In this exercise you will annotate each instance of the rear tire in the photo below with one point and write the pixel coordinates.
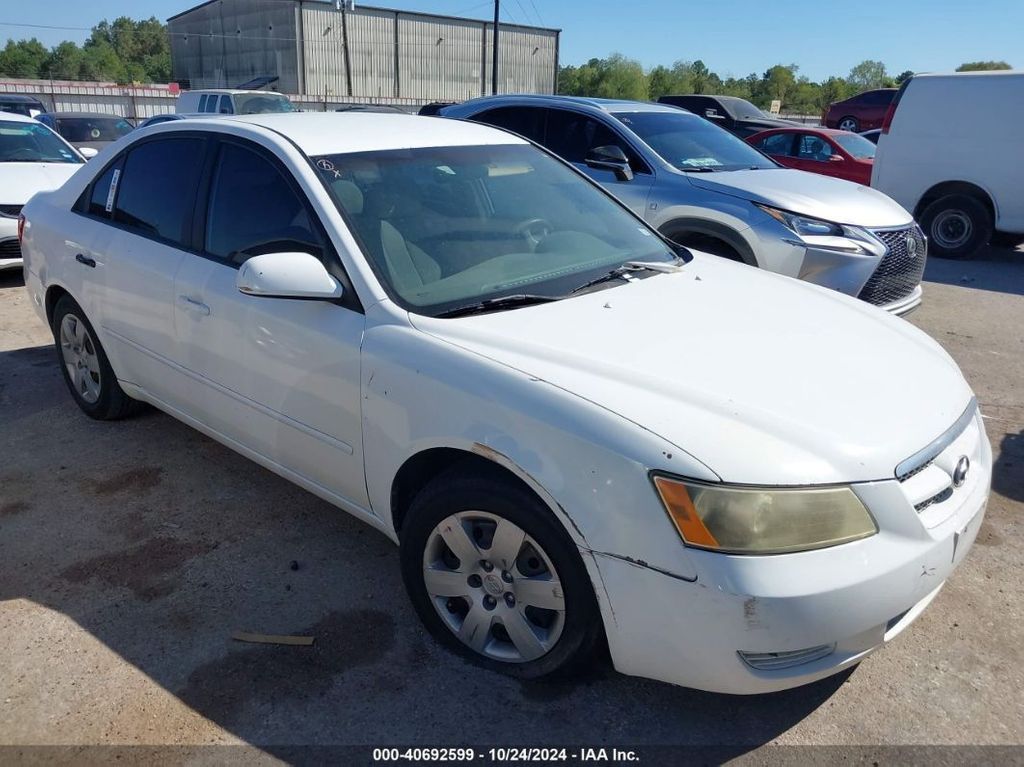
(85, 366)
(528, 614)
(849, 123)
(957, 225)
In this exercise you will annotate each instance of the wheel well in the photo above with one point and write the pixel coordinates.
(53, 294)
(954, 187)
(709, 243)
(421, 468)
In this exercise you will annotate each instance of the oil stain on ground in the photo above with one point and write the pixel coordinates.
(149, 570)
(11, 508)
(138, 479)
(275, 674)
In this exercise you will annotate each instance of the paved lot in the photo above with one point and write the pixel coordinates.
(130, 552)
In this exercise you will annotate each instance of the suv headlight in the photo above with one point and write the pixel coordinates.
(803, 225)
(744, 520)
(825, 234)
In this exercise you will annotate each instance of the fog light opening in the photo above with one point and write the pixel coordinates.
(774, 661)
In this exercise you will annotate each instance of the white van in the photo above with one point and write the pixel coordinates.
(232, 102)
(952, 152)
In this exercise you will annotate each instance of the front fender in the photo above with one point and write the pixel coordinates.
(589, 465)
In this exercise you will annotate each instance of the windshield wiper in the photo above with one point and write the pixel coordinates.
(697, 169)
(620, 272)
(503, 302)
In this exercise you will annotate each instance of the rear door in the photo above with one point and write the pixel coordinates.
(277, 376)
(141, 210)
(780, 147)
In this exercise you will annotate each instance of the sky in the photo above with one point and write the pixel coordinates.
(732, 37)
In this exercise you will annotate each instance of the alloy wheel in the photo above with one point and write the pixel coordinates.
(494, 586)
(78, 351)
(848, 124)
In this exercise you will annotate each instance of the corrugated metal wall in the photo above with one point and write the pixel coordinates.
(391, 54)
(223, 43)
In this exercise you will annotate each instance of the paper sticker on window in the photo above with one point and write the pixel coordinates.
(113, 189)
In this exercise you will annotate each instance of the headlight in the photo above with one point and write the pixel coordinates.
(740, 520)
(803, 225)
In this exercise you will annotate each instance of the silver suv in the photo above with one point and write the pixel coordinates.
(706, 189)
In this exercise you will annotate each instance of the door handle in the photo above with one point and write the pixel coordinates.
(193, 305)
(83, 259)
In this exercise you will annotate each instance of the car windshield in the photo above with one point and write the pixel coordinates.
(691, 143)
(31, 142)
(743, 109)
(84, 129)
(444, 227)
(857, 146)
(261, 103)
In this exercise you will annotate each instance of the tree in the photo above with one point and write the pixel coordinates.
(615, 77)
(903, 77)
(64, 62)
(982, 66)
(867, 75)
(23, 58)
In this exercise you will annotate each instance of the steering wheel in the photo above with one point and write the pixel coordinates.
(533, 230)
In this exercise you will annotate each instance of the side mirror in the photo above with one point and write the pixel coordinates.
(287, 275)
(88, 152)
(610, 158)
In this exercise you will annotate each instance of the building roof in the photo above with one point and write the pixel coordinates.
(318, 133)
(378, 9)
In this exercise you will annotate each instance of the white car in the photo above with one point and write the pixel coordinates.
(32, 159)
(951, 151)
(573, 428)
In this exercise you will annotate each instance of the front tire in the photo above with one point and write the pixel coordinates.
(849, 123)
(495, 577)
(957, 225)
(85, 366)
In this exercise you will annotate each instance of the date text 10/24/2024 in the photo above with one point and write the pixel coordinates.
(506, 754)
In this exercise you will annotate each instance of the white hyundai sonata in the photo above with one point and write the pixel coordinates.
(576, 431)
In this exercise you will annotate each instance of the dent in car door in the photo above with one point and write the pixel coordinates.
(280, 376)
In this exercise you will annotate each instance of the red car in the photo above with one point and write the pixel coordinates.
(835, 153)
(862, 112)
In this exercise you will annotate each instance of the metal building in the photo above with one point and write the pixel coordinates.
(319, 49)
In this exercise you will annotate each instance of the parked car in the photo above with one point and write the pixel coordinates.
(963, 181)
(168, 117)
(461, 341)
(32, 159)
(232, 102)
(871, 135)
(862, 112)
(87, 130)
(835, 153)
(28, 106)
(736, 115)
(371, 108)
(704, 188)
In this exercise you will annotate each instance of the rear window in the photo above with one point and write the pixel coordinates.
(86, 129)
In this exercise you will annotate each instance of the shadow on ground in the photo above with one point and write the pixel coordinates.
(996, 268)
(161, 543)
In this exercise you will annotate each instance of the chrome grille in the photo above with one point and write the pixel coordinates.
(10, 248)
(898, 273)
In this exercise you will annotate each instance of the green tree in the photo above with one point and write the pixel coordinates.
(982, 66)
(867, 75)
(64, 62)
(23, 58)
(903, 77)
(141, 47)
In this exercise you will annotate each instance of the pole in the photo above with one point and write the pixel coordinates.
(494, 53)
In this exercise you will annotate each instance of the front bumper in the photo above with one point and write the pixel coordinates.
(10, 250)
(849, 599)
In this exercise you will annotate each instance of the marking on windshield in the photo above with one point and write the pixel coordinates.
(325, 164)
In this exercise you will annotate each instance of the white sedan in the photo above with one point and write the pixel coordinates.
(576, 431)
(32, 158)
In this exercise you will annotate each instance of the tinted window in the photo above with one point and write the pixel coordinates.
(225, 105)
(526, 121)
(85, 129)
(777, 144)
(813, 148)
(104, 189)
(878, 97)
(157, 188)
(202, 103)
(254, 210)
(571, 136)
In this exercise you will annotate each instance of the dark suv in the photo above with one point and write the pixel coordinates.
(736, 115)
(29, 106)
(862, 112)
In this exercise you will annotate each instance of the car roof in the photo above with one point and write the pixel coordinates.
(18, 98)
(60, 115)
(317, 133)
(606, 105)
(15, 117)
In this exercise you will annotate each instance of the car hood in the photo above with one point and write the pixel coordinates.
(809, 194)
(765, 123)
(764, 379)
(20, 180)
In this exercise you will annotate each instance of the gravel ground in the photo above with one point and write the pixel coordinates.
(130, 552)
